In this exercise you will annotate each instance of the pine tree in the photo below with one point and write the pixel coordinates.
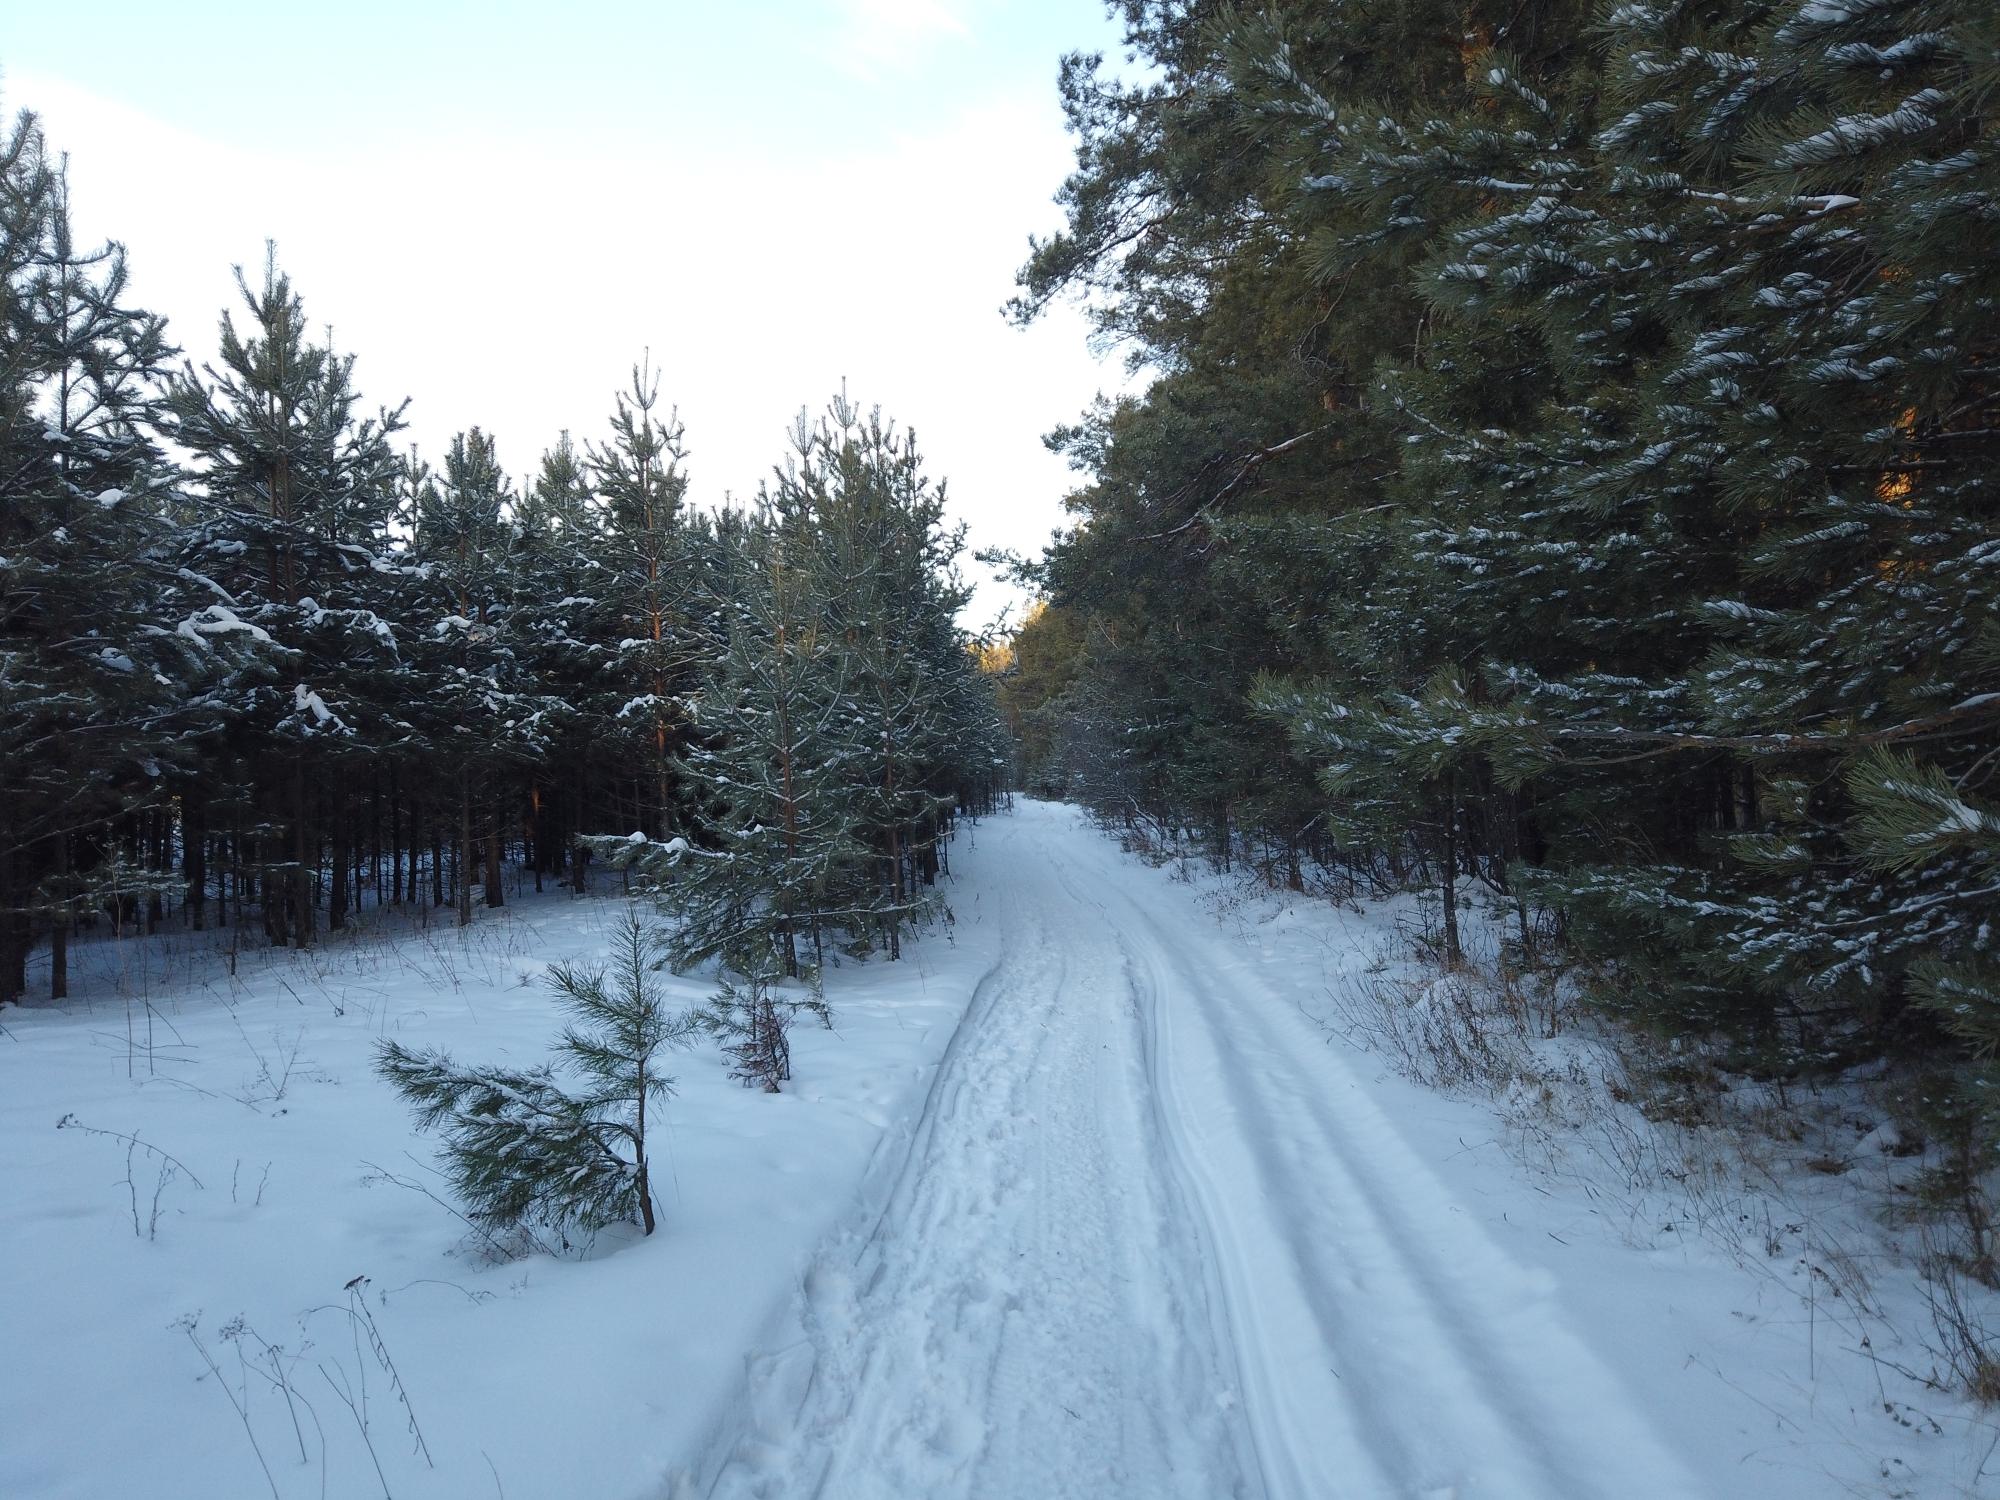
(1577, 441)
(484, 714)
(290, 525)
(886, 600)
(304, 655)
(1670, 536)
(103, 661)
(840, 724)
(782, 835)
(553, 614)
(751, 1014)
(640, 485)
(519, 1148)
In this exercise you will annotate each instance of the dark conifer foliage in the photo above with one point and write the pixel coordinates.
(1575, 432)
(291, 495)
(842, 721)
(522, 1150)
(109, 655)
(261, 666)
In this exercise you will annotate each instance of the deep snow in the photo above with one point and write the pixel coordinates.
(1080, 1199)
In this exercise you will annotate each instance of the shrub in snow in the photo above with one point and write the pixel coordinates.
(752, 1015)
(520, 1148)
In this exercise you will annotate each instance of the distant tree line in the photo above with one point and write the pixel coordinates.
(1570, 472)
(261, 666)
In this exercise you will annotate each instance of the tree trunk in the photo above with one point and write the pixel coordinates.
(643, 1181)
(396, 844)
(337, 897)
(274, 894)
(59, 926)
(1453, 954)
(159, 860)
(791, 831)
(531, 837)
(194, 858)
(14, 936)
(305, 861)
(496, 888)
(465, 852)
(437, 862)
(896, 895)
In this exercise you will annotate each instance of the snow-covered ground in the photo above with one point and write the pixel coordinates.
(1082, 1199)
(539, 1378)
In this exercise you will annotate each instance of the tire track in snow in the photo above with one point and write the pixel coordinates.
(1387, 1346)
(1139, 1184)
(1027, 1319)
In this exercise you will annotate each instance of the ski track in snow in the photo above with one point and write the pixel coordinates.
(1152, 1240)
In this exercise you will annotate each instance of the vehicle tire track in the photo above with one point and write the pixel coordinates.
(1015, 1324)
(1359, 1254)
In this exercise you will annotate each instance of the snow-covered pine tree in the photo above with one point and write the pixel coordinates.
(1438, 575)
(1820, 394)
(519, 1147)
(839, 724)
(293, 493)
(888, 596)
(778, 830)
(639, 484)
(1863, 664)
(751, 1014)
(552, 613)
(1234, 518)
(1720, 537)
(103, 663)
(485, 717)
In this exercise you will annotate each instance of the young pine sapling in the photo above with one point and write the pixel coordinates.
(752, 1017)
(519, 1148)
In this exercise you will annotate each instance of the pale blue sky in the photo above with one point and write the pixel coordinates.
(497, 206)
(775, 72)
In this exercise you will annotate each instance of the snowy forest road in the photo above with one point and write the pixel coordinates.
(1151, 1240)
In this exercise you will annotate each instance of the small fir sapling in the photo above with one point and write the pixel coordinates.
(752, 1015)
(519, 1148)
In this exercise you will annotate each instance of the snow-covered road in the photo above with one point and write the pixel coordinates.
(1152, 1239)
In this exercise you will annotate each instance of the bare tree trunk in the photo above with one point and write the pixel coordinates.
(644, 1182)
(896, 894)
(59, 927)
(274, 892)
(1453, 954)
(396, 843)
(537, 851)
(465, 851)
(194, 858)
(14, 935)
(496, 888)
(305, 859)
(437, 860)
(156, 834)
(337, 896)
